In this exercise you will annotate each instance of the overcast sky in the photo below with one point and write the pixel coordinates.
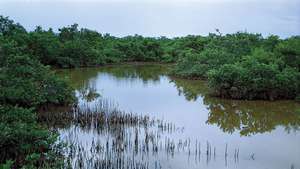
(160, 17)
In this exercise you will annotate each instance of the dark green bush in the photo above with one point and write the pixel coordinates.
(257, 76)
(25, 82)
(21, 137)
(196, 65)
(25, 85)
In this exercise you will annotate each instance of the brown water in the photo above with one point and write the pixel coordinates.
(177, 126)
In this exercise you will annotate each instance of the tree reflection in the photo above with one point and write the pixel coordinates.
(246, 117)
(88, 91)
(145, 73)
(252, 117)
(190, 89)
(84, 79)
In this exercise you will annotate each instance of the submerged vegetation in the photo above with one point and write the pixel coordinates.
(239, 66)
(124, 140)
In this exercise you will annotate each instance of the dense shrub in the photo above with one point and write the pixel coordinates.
(289, 51)
(215, 50)
(25, 85)
(21, 137)
(25, 82)
(196, 65)
(245, 66)
(257, 76)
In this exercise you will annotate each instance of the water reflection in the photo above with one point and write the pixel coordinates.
(198, 130)
(88, 92)
(253, 117)
(82, 77)
(247, 117)
(190, 89)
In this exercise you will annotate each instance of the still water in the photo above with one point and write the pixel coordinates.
(177, 125)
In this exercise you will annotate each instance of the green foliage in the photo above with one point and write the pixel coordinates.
(8, 27)
(244, 65)
(213, 51)
(7, 165)
(289, 51)
(196, 65)
(25, 85)
(266, 65)
(257, 76)
(74, 47)
(134, 48)
(25, 82)
(22, 139)
(44, 45)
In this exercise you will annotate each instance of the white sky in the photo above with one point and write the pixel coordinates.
(159, 17)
